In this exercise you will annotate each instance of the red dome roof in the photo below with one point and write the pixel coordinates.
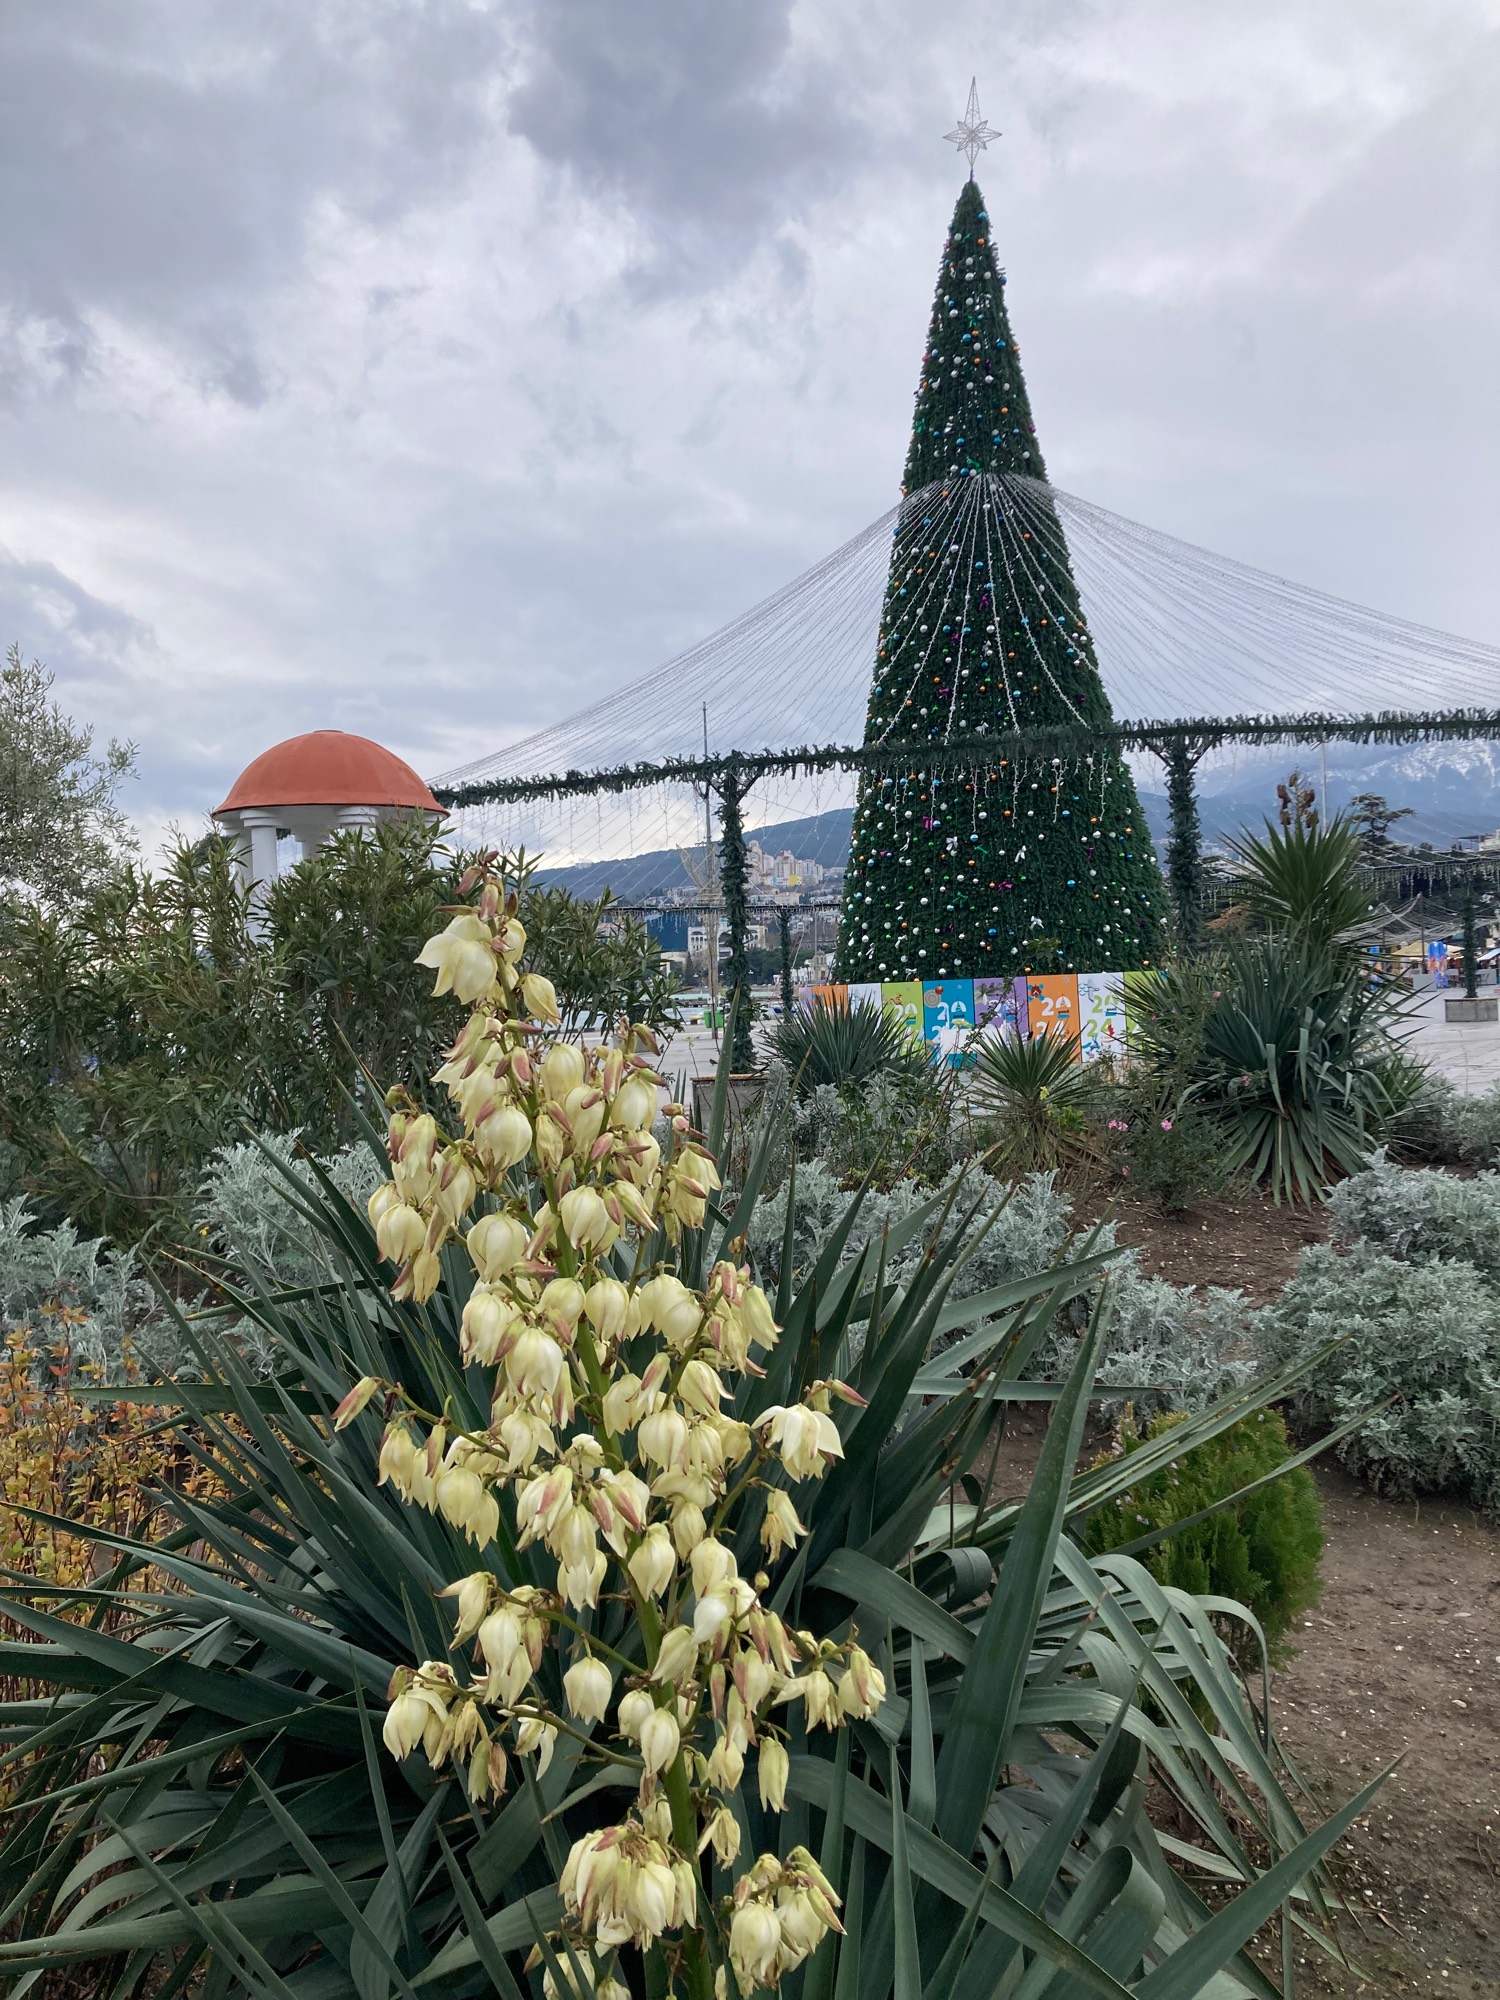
(328, 768)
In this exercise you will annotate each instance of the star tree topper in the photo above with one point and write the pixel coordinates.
(972, 133)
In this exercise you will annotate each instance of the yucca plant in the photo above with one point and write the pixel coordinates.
(1306, 882)
(832, 1042)
(1039, 1096)
(1290, 1057)
(751, 1699)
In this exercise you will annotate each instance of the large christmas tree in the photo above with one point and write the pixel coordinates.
(1012, 865)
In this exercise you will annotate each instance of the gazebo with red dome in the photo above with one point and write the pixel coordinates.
(311, 787)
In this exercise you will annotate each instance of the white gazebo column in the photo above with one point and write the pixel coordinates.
(261, 828)
(260, 832)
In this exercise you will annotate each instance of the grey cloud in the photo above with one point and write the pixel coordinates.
(703, 118)
(161, 163)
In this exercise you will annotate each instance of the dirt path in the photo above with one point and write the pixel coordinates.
(1401, 1659)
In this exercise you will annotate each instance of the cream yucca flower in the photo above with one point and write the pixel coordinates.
(611, 1435)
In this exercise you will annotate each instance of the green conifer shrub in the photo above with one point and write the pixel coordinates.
(1263, 1551)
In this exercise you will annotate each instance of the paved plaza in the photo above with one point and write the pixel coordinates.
(1467, 1053)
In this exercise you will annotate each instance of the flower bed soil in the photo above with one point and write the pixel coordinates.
(1250, 1246)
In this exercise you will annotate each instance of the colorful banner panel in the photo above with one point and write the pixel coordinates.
(1101, 1014)
(903, 997)
(1000, 1008)
(948, 1015)
(1093, 1009)
(1052, 1004)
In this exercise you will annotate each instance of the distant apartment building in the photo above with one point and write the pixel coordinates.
(772, 872)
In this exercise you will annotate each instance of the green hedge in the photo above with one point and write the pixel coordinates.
(1264, 1552)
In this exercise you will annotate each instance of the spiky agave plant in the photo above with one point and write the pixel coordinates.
(650, 1667)
(1038, 1096)
(834, 1042)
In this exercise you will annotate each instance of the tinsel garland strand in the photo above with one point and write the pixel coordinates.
(991, 751)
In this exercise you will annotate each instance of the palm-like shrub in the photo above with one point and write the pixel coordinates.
(835, 1043)
(772, 1702)
(1288, 1057)
(1039, 1097)
(1306, 882)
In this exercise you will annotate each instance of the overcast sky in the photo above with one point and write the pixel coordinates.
(429, 367)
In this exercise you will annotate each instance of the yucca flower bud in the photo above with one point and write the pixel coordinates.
(700, 1389)
(405, 1720)
(862, 1689)
(562, 1303)
(538, 1736)
(677, 1656)
(671, 1308)
(488, 1768)
(356, 1400)
(400, 1232)
(641, 1162)
(660, 1739)
(634, 1104)
(587, 1685)
(607, 1304)
(539, 998)
(773, 1768)
(582, 1214)
(722, 1833)
(535, 1363)
(497, 1243)
(413, 1155)
(755, 1946)
(397, 1457)
(463, 957)
(473, 1594)
(712, 1564)
(781, 1528)
(485, 1331)
(456, 1188)
(653, 1564)
(663, 1436)
(562, 1069)
(503, 1135)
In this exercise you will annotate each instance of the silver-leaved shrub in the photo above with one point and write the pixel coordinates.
(1411, 1288)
